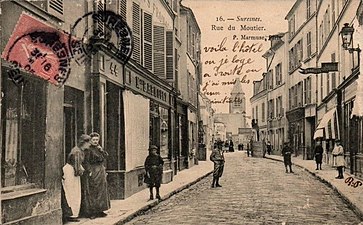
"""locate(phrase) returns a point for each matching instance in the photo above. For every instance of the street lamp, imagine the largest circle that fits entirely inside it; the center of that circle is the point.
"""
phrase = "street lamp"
(347, 35)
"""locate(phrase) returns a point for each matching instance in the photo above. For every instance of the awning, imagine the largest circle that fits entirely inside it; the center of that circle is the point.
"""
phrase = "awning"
(328, 127)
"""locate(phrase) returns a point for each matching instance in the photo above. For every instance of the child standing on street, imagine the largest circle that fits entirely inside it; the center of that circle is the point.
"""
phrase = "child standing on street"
(286, 152)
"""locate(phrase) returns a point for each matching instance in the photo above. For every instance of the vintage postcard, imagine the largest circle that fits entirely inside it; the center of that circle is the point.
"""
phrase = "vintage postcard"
(181, 112)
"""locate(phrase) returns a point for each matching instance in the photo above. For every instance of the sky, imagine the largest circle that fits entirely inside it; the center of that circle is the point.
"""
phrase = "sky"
(227, 54)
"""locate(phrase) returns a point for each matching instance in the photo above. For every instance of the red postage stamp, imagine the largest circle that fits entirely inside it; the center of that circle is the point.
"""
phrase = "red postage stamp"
(40, 49)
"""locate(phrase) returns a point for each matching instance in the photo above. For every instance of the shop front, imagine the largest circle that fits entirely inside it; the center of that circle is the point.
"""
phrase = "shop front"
(352, 125)
(149, 120)
(296, 136)
(31, 159)
(107, 116)
(182, 135)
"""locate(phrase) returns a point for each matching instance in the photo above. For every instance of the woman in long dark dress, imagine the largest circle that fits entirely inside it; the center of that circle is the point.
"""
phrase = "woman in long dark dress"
(97, 196)
(318, 155)
(154, 171)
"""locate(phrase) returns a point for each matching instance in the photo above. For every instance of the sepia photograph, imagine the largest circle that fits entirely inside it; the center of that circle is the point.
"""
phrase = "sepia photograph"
(186, 112)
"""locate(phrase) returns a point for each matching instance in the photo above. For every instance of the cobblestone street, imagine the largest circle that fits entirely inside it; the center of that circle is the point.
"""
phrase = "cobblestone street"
(255, 191)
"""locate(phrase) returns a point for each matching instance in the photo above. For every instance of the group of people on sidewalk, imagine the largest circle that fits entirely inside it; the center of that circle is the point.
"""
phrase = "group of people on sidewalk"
(84, 181)
(338, 157)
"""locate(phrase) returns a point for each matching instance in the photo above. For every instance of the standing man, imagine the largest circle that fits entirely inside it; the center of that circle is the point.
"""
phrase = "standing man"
(231, 147)
(154, 171)
(269, 147)
(218, 159)
(338, 158)
(318, 154)
(286, 152)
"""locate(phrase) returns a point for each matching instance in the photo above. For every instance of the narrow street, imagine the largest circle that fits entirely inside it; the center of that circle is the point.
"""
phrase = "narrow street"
(255, 191)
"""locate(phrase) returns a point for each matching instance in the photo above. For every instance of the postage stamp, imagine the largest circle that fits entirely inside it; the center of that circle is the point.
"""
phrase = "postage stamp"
(37, 48)
(94, 38)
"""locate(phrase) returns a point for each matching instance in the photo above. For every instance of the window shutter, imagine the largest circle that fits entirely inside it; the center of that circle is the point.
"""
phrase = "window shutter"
(55, 7)
(100, 24)
(159, 51)
(148, 44)
(122, 9)
(136, 55)
(169, 55)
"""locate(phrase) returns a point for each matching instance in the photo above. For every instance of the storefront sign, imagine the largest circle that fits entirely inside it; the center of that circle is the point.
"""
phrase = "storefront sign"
(148, 88)
(325, 68)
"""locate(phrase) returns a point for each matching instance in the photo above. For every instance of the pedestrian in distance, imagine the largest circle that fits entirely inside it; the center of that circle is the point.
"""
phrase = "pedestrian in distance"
(269, 148)
(71, 180)
(226, 146)
(248, 150)
(231, 147)
(242, 147)
(338, 158)
(287, 152)
(217, 158)
(96, 193)
(154, 171)
(264, 148)
(318, 153)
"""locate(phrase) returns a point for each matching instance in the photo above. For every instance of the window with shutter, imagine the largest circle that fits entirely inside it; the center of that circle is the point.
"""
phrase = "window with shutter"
(100, 24)
(169, 55)
(176, 64)
(136, 29)
(122, 9)
(159, 51)
(56, 8)
(148, 44)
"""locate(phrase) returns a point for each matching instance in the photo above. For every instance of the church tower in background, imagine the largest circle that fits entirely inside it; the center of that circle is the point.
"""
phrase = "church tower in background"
(238, 103)
(234, 121)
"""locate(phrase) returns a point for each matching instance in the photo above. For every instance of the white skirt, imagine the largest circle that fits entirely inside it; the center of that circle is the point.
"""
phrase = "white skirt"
(72, 189)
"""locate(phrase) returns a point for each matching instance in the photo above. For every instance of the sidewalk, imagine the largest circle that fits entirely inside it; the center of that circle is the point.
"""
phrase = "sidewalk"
(124, 210)
(353, 196)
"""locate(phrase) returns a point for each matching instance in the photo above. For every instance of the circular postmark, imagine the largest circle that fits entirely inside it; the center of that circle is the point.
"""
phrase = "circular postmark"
(42, 53)
(105, 25)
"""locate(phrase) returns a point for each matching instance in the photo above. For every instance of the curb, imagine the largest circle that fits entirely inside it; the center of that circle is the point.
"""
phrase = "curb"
(156, 202)
(354, 207)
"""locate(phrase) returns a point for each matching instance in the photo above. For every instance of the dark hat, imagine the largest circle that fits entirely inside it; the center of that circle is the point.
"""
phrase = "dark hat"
(84, 138)
(337, 140)
(153, 147)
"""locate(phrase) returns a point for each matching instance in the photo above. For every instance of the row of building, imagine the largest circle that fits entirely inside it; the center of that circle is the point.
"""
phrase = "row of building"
(310, 89)
(153, 99)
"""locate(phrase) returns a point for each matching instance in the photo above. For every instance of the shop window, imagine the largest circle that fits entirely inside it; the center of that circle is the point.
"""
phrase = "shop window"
(154, 131)
(114, 144)
(360, 134)
(164, 132)
(23, 122)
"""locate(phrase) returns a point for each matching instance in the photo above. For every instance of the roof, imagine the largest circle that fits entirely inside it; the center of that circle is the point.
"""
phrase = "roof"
(293, 8)
(237, 87)
(190, 11)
